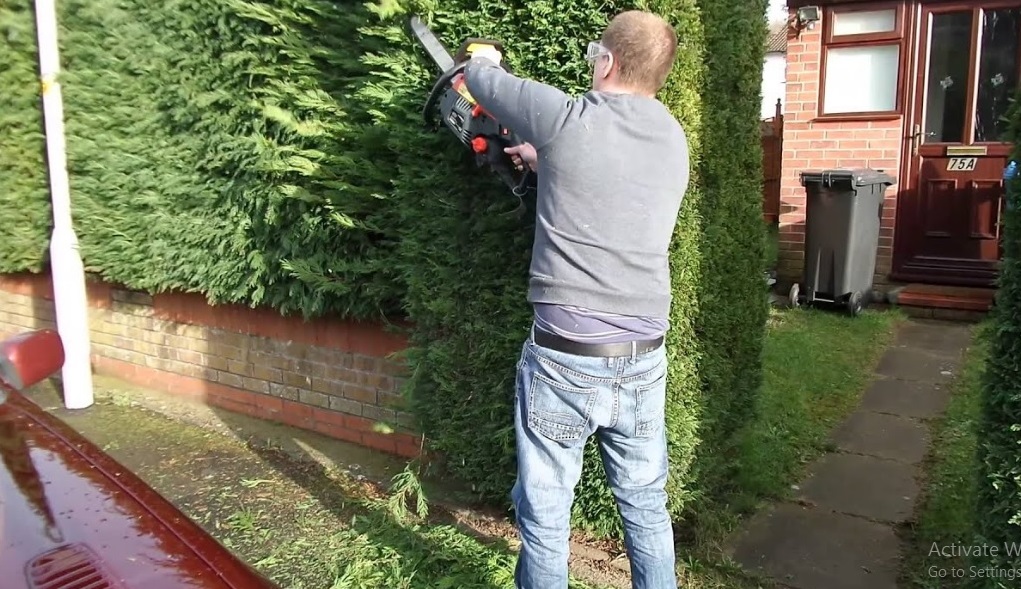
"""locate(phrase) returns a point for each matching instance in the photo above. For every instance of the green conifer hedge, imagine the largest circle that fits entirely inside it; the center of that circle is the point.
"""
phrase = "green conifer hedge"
(733, 309)
(465, 261)
(215, 146)
(272, 152)
(24, 196)
(999, 430)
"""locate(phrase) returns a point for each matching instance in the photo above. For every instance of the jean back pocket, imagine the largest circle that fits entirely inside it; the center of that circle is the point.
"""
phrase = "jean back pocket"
(650, 407)
(557, 410)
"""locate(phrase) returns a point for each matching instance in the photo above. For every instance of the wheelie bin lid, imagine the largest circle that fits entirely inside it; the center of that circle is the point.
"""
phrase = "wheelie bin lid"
(856, 177)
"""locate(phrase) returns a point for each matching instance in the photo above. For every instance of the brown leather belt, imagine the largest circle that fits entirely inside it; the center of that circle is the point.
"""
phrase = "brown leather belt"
(614, 350)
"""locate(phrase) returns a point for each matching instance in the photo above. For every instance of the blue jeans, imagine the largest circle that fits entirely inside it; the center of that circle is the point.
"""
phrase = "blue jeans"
(560, 401)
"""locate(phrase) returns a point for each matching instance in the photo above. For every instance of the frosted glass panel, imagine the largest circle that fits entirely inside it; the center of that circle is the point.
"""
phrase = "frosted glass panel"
(864, 23)
(861, 79)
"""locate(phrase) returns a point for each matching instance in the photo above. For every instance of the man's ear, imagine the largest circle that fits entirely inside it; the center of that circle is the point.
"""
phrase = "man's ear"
(611, 64)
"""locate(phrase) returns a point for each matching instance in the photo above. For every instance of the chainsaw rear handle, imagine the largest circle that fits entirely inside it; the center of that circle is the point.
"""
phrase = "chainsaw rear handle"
(527, 176)
(501, 163)
(489, 149)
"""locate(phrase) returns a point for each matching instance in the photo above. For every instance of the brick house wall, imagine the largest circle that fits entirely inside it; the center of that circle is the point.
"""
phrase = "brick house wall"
(814, 145)
(333, 377)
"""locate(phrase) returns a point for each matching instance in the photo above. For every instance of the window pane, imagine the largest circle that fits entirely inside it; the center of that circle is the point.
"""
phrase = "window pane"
(864, 22)
(861, 79)
(946, 99)
(997, 72)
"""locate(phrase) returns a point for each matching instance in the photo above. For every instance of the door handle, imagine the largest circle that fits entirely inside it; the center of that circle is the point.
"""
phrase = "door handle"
(916, 137)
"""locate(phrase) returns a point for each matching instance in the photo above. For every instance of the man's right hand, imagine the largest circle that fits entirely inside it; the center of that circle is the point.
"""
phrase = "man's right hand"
(523, 155)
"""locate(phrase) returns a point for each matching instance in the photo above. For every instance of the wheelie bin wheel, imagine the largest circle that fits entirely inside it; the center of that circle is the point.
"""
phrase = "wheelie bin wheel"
(794, 296)
(855, 304)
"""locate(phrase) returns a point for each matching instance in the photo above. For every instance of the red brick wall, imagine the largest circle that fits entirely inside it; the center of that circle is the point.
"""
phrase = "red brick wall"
(811, 144)
(329, 376)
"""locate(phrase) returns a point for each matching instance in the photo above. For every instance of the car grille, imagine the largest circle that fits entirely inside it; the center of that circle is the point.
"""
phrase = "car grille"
(68, 567)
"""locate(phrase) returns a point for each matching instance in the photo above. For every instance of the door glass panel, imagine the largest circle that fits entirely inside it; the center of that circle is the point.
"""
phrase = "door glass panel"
(946, 99)
(997, 72)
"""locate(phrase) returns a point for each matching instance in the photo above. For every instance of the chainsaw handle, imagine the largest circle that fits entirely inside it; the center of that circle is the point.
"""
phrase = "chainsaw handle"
(500, 162)
(438, 88)
(441, 85)
(528, 177)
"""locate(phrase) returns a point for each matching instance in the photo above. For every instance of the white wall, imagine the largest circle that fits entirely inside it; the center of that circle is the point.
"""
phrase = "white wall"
(774, 82)
(774, 67)
(777, 10)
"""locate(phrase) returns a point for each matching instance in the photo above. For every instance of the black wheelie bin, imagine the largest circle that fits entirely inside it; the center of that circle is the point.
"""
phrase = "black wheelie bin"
(842, 218)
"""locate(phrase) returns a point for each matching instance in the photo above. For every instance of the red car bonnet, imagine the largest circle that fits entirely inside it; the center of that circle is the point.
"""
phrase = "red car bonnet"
(71, 516)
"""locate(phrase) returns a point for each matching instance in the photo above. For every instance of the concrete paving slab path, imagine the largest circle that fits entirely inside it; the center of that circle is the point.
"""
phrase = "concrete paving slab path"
(919, 400)
(809, 548)
(865, 486)
(884, 436)
(839, 530)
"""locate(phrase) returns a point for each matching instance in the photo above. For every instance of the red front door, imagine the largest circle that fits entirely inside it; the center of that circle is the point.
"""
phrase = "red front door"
(948, 215)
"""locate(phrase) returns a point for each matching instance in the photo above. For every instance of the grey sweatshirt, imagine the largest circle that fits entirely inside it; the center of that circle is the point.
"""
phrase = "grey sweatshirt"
(612, 173)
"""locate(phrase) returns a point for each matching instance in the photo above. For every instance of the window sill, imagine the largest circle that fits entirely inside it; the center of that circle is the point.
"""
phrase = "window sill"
(853, 117)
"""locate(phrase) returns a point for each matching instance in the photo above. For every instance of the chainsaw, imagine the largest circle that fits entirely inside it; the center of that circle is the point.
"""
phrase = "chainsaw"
(462, 115)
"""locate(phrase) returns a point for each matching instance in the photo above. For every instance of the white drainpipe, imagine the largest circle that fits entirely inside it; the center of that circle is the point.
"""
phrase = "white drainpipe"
(67, 268)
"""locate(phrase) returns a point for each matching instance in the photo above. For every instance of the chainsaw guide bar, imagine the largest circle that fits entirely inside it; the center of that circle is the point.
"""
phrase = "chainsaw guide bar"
(437, 52)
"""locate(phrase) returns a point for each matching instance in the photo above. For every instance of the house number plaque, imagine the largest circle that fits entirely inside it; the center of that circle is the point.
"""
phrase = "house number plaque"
(961, 164)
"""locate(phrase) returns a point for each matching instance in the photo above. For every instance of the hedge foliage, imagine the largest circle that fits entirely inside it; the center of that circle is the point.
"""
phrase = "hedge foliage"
(466, 264)
(272, 152)
(999, 430)
(216, 146)
(733, 310)
(24, 196)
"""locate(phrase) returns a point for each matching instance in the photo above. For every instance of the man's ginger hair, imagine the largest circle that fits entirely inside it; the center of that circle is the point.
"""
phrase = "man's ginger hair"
(644, 46)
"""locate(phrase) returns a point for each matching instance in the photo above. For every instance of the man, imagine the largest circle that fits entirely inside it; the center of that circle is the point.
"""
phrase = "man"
(612, 169)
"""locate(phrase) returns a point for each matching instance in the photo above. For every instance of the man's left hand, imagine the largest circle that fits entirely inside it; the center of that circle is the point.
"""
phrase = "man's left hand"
(489, 52)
